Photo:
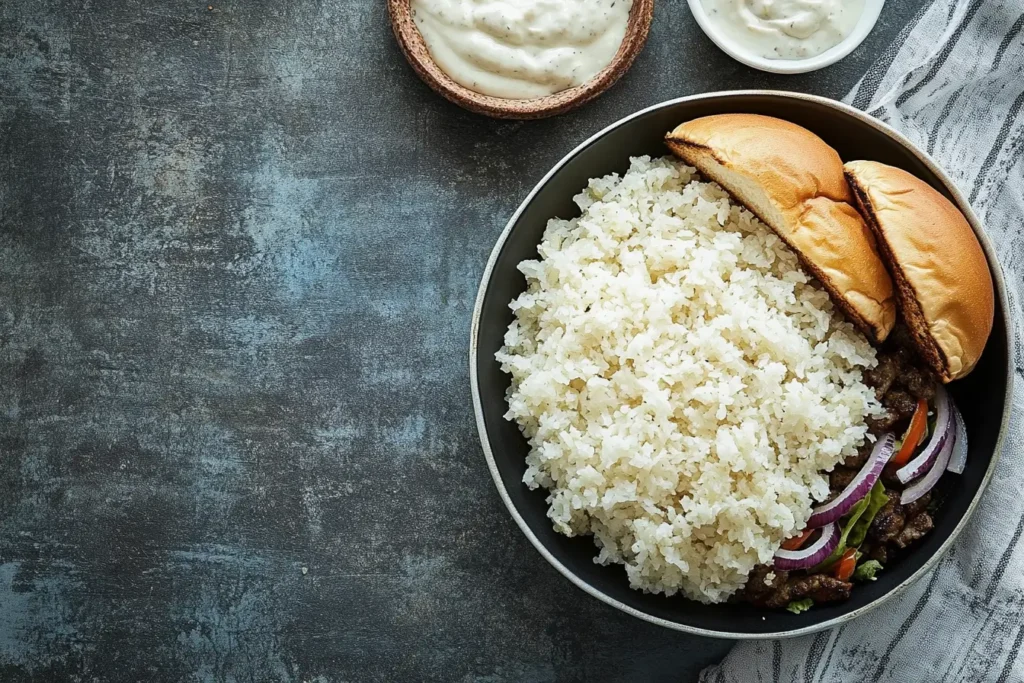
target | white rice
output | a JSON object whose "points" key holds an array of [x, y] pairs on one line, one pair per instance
{"points": [[682, 382]]}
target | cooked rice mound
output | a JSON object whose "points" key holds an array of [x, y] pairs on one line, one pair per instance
{"points": [[681, 381]]}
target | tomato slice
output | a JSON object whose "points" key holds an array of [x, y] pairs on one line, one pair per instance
{"points": [[918, 423], [847, 563], [797, 542]]}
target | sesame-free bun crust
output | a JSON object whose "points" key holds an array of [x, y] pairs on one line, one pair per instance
{"points": [[793, 181], [942, 277]]}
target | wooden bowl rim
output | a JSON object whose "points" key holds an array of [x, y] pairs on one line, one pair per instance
{"points": [[415, 50]]}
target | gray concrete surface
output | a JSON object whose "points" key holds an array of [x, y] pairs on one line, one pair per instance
{"points": [[239, 245]]}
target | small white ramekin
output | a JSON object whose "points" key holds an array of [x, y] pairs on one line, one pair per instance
{"points": [[872, 8]]}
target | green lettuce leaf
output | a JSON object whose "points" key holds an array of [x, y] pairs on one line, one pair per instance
{"points": [[855, 524], [798, 606], [877, 499], [867, 570], [846, 525]]}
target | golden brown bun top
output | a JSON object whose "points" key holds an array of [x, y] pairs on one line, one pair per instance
{"points": [[942, 276], [793, 181]]}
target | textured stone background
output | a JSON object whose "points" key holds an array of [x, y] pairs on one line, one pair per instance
{"points": [[239, 246]]}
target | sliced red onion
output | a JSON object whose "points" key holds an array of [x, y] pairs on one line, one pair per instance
{"points": [[928, 481], [958, 460], [813, 554], [859, 487], [943, 432]]}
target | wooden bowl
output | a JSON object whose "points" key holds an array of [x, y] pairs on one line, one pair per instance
{"points": [[415, 49]]}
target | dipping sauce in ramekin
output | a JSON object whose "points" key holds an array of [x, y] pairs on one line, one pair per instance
{"points": [[522, 50]]}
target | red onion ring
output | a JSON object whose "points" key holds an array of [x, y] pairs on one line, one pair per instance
{"points": [[928, 481], [859, 487], [943, 431], [805, 558], [958, 460]]}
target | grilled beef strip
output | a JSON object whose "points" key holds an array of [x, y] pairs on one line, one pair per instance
{"points": [[818, 587], [760, 588], [875, 551], [919, 383], [914, 530], [918, 506], [888, 523], [860, 458], [840, 478]]}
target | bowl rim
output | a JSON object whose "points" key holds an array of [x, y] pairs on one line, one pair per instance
{"points": [[863, 28], [416, 53], [998, 282]]}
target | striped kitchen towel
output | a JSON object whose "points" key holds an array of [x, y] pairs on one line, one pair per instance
{"points": [[953, 82]]}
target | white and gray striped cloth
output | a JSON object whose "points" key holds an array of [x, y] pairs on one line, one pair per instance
{"points": [[954, 83]]}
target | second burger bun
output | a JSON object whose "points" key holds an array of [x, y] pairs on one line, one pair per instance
{"points": [[793, 181], [942, 277]]}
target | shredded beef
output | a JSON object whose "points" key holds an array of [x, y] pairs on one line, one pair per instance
{"points": [[900, 403], [899, 406], [920, 383], [840, 478], [888, 523], [881, 377], [876, 551], [818, 587], [918, 506], [756, 590], [889, 477], [859, 459], [914, 530]]}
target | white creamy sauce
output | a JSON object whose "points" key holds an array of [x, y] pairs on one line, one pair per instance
{"points": [[785, 29], [521, 49]]}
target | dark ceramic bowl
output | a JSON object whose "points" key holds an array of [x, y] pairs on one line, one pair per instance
{"points": [[983, 395]]}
